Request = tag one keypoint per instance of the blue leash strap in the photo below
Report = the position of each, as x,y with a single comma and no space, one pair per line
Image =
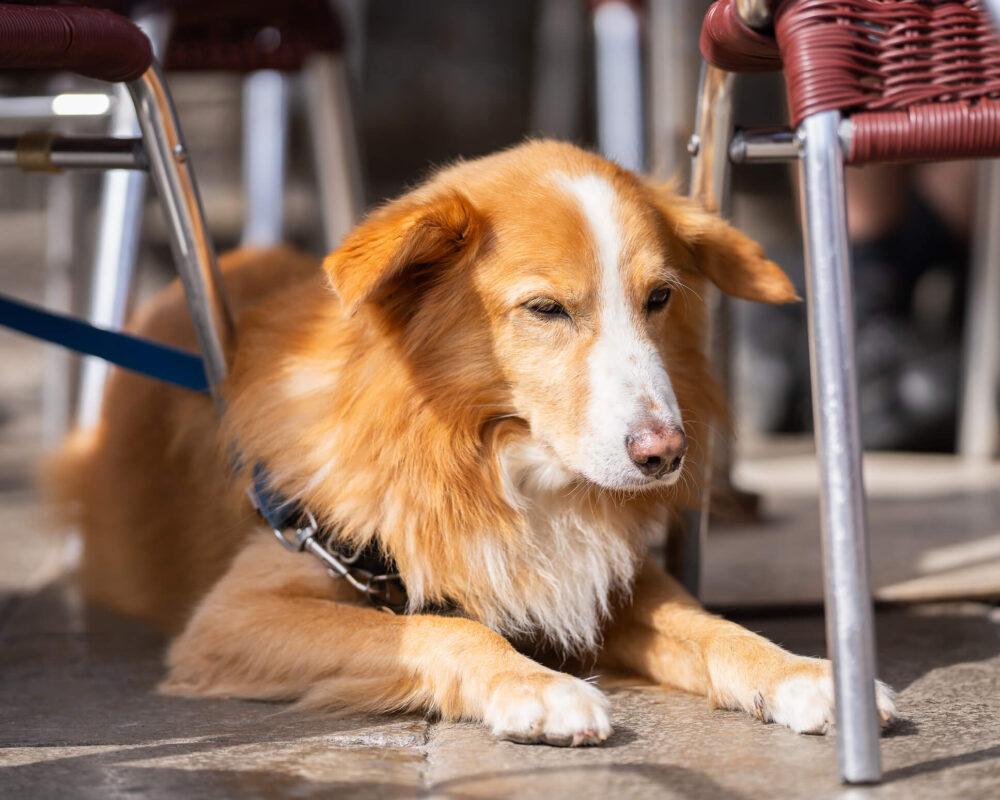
155,360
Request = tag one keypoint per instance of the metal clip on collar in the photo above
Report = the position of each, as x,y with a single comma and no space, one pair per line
384,591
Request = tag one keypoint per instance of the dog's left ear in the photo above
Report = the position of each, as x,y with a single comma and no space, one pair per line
399,241
733,262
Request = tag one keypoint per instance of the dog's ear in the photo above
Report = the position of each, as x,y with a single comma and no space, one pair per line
397,242
733,262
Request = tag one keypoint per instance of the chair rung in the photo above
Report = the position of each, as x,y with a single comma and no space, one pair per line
40,151
932,132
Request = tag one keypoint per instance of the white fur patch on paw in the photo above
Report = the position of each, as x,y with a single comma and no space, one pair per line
805,703
564,711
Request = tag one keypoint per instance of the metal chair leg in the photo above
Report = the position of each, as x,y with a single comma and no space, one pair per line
192,248
710,171
265,136
123,196
849,612
335,146
61,243
620,119
673,60
979,428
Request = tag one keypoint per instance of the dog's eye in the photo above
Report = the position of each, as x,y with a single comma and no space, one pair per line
546,307
657,299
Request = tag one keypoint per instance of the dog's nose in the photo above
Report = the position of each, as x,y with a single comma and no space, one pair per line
657,451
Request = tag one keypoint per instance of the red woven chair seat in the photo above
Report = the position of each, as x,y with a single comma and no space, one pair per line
920,79
246,35
235,35
89,41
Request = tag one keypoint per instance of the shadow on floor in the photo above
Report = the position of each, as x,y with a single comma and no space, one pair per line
912,641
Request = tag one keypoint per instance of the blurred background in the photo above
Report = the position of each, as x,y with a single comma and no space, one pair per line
419,83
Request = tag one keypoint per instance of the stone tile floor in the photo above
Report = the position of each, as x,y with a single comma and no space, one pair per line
79,718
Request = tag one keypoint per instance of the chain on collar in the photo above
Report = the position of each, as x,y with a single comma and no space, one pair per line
296,528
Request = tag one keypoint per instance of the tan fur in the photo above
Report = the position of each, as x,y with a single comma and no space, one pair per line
417,405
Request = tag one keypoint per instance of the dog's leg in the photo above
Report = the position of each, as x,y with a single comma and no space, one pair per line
666,636
273,628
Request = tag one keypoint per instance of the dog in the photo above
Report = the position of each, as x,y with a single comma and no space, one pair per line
498,381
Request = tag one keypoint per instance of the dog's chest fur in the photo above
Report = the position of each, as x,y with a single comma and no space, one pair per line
574,553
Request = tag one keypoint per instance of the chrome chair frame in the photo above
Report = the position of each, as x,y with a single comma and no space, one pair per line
847,588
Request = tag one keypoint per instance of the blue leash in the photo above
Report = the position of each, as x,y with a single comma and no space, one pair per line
155,360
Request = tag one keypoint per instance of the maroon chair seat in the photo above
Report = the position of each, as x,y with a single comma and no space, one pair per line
208,35
92,42
247,35
919,79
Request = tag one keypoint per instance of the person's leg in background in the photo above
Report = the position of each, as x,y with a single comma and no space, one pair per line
909,229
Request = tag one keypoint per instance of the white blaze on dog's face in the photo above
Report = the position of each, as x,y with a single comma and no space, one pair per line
584,332
629,393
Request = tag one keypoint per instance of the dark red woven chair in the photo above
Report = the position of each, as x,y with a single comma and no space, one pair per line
867,81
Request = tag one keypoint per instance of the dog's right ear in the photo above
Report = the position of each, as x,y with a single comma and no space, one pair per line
732,261
398,241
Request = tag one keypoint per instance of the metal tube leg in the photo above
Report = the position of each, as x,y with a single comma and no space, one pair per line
710,171
265,135
123,195
709,146
193,252
979,427
620,120
122,198
849,613
334,143
60,246
673,60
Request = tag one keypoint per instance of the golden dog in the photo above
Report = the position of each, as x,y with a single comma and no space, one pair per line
498,380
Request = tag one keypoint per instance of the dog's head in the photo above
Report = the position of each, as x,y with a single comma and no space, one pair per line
549,285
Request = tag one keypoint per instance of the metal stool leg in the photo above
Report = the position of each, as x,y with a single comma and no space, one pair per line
334,143
123,196
61,243
192,248
620,120
265,135
849,613
673,61
979,428
710,173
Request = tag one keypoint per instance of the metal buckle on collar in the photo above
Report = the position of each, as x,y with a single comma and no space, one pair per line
386,591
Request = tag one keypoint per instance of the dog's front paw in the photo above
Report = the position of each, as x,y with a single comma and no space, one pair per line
556,709
804,701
